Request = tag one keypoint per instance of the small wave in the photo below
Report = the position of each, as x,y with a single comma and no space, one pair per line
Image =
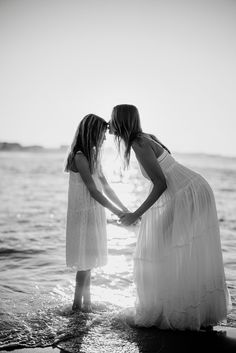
23,221
7,251
8,231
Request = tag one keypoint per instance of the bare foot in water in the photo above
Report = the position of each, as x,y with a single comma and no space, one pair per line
130,321
87,307
76,306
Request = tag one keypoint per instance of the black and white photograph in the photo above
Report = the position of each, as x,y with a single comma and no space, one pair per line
117,176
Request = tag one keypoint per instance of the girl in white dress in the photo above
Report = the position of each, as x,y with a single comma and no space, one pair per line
178,266
86,238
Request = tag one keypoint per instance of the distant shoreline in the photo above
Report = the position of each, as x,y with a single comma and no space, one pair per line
17,147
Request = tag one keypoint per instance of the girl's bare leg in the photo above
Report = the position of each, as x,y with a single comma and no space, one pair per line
79,289
86,294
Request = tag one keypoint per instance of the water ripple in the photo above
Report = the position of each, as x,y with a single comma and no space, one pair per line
35,288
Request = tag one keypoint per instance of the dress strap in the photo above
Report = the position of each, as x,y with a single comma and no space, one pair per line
150,139
164,152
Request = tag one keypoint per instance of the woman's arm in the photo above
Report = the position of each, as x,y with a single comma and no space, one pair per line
148,160
82,166
110,193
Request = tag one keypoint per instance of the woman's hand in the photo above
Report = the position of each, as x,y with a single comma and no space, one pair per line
128,218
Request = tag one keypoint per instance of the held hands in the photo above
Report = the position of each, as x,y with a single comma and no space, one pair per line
120,213
128,218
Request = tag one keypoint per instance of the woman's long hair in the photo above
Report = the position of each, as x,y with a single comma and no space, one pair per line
87,139
125,125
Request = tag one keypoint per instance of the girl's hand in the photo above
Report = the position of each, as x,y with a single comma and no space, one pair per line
120,213
125,210
128,219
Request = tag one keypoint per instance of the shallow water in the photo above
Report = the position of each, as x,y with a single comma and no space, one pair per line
36,289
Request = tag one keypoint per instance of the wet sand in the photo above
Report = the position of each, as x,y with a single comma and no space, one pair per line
222,340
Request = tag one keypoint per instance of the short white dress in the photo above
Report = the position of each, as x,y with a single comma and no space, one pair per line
86,235
178,266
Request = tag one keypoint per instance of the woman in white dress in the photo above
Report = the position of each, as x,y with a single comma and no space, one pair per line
86,237
178,266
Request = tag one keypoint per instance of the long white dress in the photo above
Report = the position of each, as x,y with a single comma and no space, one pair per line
86,235
178,266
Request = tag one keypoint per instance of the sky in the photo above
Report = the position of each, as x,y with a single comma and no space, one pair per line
173,59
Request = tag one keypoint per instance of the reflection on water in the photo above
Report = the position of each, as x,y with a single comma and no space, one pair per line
36,289
36,309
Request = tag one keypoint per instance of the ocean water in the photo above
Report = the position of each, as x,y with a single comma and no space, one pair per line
36,289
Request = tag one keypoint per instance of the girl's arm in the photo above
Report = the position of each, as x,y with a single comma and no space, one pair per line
111,193
82,166
148,160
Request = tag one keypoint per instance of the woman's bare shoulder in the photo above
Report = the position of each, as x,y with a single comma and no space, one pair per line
140,141
141,145
145,142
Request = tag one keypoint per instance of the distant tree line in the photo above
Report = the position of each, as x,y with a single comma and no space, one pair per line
14,146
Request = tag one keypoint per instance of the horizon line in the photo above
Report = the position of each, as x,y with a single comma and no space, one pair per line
66,146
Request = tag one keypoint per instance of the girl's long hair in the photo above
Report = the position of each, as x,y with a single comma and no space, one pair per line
87,139
125,125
